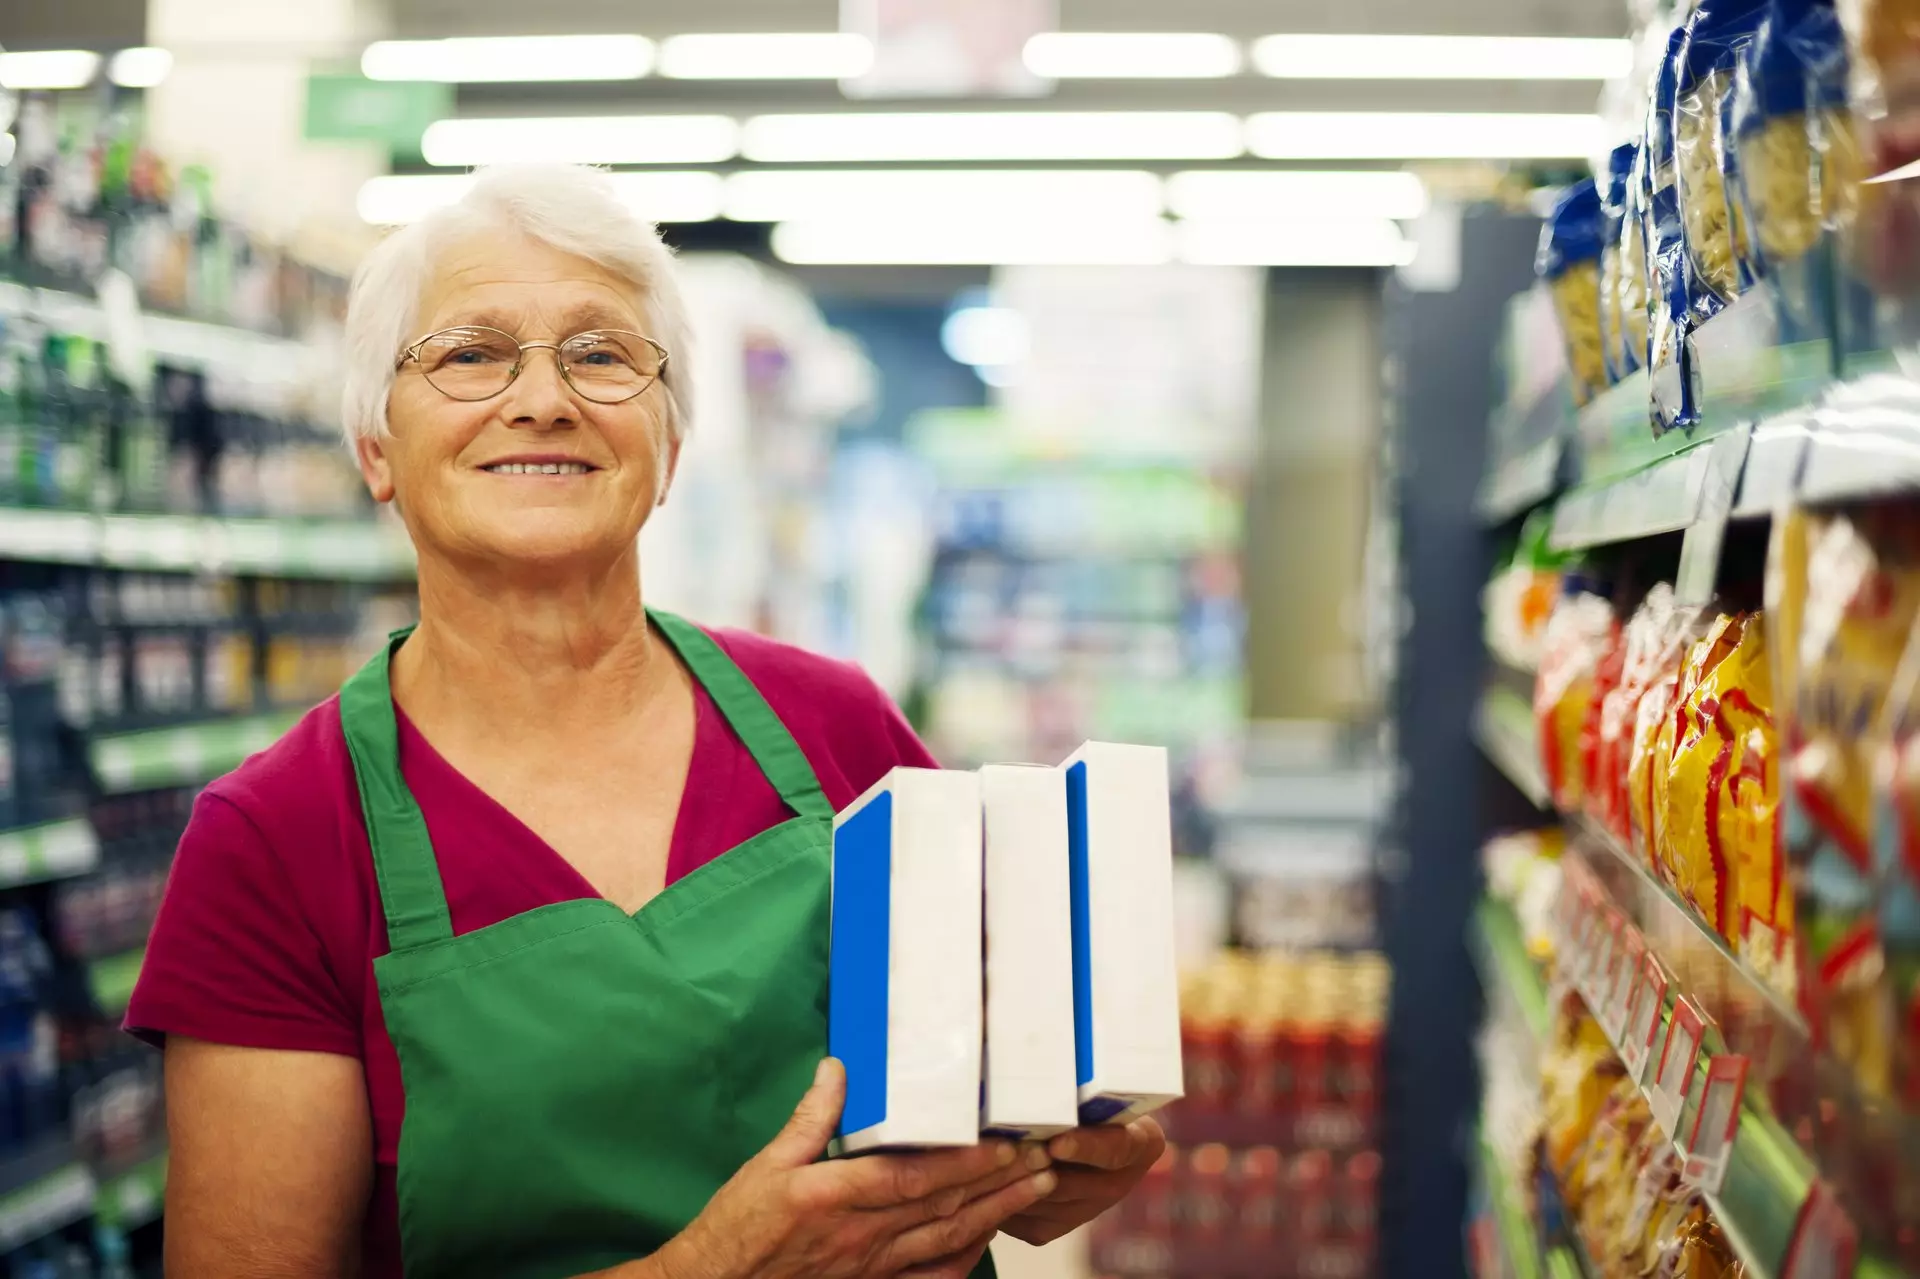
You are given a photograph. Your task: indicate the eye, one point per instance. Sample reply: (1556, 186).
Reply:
(467, 349)
(599, 351)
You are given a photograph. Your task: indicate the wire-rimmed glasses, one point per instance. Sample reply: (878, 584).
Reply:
(472, 362)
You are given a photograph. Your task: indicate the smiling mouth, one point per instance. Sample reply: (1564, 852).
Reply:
(539, 468)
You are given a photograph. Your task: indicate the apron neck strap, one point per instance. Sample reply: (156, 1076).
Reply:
(403, 861)
(758, 726)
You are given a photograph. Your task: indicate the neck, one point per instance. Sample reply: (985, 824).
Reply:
(510, 654)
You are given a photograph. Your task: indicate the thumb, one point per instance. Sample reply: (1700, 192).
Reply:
(812, 1126)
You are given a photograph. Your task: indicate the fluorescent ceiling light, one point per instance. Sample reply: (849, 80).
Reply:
(1393, 135)
(1239, 193)
(48, 69)
(806, 195)
(664, 196)
(140, 68)
(1442, 57)
(1317, 242)
(986, 336)
(472, 60)
(993, 135)
(971, 242)
(634, 139)
(1160, 55)
(812, 55)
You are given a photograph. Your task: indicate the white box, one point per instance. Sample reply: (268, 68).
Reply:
(1028, 1089)
(903, 994)
(1126, 998)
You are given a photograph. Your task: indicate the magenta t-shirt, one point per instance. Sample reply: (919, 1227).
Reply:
(272, 917)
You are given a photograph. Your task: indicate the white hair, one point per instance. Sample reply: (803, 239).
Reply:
(569, 207)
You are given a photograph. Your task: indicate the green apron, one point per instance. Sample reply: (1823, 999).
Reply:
(580, 1081)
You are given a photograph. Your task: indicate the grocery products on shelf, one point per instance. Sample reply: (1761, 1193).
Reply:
(1272, 1170)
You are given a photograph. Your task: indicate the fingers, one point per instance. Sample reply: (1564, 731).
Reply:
(947, 1202)
(807, 1133)
(978, 1219)
(1110, 1148)
(958, 1266)
(886, 1181)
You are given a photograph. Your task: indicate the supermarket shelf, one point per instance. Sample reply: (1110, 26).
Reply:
(1768, 1177)
(135, 1194)
(189, 343)
(51, 850)
(1522, 482)
(1518, 1239)
(1503, 725)
(350, 549)
(46, 1189)
(1502, 957)
(186, 755)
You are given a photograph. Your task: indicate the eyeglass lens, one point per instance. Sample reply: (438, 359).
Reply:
(477, 364)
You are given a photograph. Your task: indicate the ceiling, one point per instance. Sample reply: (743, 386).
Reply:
(27, 24)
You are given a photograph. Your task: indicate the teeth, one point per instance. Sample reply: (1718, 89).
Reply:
(540, 468)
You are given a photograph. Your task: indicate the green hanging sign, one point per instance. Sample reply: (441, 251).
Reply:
(351, 108)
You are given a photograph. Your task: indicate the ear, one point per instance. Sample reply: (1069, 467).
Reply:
(375, 467)
(669, 465)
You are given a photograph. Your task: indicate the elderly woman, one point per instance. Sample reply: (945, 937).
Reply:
(511, 959)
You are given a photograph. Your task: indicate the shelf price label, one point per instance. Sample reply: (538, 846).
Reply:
(1605, 940)
(1675, 1072)
(1825, 1242)
(1710, 1145)
(1627, 957)
(1643, 1018)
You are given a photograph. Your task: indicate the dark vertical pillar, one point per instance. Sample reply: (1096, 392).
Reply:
(1440, 392)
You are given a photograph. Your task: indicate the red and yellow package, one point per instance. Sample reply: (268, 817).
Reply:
(1652, 747)
(1679, 787)
(1578, 635)
(1641, 666)
(1606, 680)
(1858, 573)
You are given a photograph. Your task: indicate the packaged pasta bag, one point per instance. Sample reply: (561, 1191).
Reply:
(1703, 84)
(1679, 805)
(1577, 637)
(1669, 362)
(1859, 581)
(1614, 296)
(1799, 163)
(1654, 729)
(1695, 856)
(1636, 266)
(1569, 262)
(1619, 708)
(1883, 37)
(1606, 678)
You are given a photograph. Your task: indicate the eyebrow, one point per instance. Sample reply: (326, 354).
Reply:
(580, 319)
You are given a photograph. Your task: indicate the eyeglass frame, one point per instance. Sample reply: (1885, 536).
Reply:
(411, 354)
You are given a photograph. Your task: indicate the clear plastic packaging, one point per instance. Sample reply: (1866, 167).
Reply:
(1569, 263)
(1613, 284)
(1668, 362)
(1636, 266)
(1703, 81)
(1799, 163)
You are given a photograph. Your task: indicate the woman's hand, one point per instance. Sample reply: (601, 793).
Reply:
(783, 1216)
(1097, 1167)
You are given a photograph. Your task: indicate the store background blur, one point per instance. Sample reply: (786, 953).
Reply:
(1081, 368)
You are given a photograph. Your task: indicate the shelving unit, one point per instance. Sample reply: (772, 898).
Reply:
(185, 755)
(350, 550)
(51, 850)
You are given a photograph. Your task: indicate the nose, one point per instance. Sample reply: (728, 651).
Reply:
(539, 398)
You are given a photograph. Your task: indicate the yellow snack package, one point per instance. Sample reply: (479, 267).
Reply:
(1651, 716)
(1577, 638)
(1680, 788)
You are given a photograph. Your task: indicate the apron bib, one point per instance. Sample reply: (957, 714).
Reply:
(580, 1081)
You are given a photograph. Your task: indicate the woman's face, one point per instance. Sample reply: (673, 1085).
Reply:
(451, 463)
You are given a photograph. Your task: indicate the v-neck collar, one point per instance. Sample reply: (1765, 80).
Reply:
(710, 734)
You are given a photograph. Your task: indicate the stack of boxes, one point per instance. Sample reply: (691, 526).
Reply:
(1002, 950)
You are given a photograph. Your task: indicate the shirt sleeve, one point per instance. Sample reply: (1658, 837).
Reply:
(232, 958)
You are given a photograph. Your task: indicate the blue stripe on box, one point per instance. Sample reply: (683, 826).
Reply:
(857, 960)
(1077, 921)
